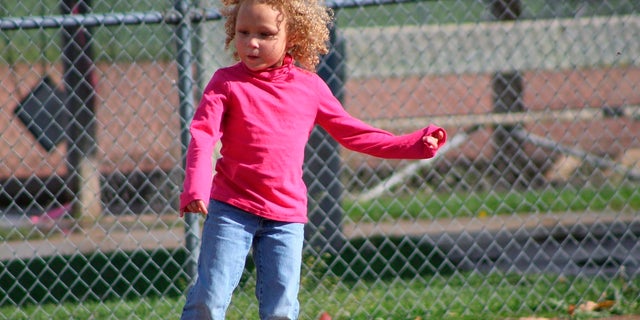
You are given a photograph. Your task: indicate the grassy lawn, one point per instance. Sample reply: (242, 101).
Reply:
(117, 43)
(473, 11)
(457, 296)
(363, 282)
(460, 204)
(149, 42)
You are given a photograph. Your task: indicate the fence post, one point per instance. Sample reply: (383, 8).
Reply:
(322, 174)
(84, 176)
(509, 159)
(198, 49)
(184, 61)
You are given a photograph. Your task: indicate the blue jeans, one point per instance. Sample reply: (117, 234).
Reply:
(227, 236)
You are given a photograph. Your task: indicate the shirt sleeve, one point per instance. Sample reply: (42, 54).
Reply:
(359, 136)
(205, 130)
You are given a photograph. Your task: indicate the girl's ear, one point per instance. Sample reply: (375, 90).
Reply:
(290, 45)
(290, 41)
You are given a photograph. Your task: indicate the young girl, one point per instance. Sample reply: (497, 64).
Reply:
(263, 110)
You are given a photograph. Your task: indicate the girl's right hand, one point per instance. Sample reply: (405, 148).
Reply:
(195, 206)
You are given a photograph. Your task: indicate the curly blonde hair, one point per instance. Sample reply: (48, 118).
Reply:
(308, 24)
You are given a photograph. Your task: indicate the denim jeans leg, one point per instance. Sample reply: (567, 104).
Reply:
(226, 241)
(277, 251)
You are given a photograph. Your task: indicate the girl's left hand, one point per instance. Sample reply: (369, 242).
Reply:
(433, 141)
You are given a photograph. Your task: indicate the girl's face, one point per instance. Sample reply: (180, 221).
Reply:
(261, 39)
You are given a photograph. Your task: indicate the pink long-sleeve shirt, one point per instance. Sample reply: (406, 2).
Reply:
(264, 120)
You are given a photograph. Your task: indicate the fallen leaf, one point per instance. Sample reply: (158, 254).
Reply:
(591, 306)
(606, 304)
(588, 306)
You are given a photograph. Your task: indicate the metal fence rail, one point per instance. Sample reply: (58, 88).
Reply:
(530, 209)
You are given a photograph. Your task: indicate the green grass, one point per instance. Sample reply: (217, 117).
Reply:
(377, 277)
(458, 296)
(374, 278)
(473, 11)
(115, 43)
(154, 42)
(460, 204)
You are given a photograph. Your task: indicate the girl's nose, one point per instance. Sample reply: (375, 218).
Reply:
(253, 42)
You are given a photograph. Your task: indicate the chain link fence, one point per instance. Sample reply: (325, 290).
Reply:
(532, 208)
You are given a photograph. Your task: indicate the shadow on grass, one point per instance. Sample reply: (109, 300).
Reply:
(131, 275)
(97, 276)
(387, 257)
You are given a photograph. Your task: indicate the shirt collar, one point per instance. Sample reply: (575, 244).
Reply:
(276, 73)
